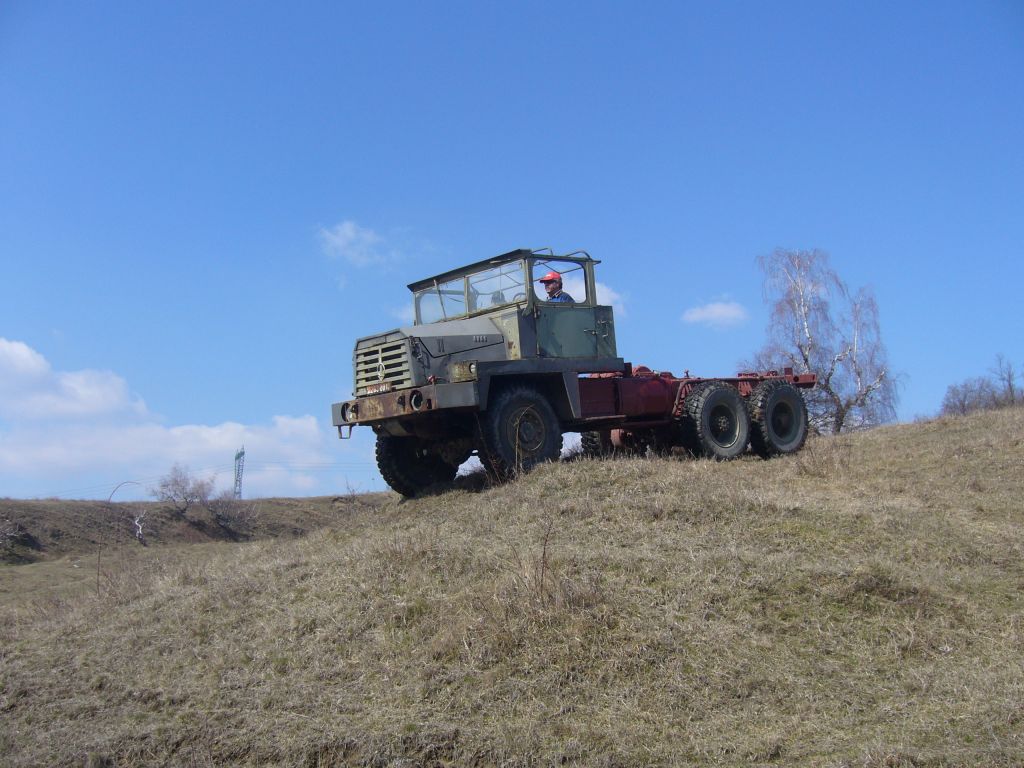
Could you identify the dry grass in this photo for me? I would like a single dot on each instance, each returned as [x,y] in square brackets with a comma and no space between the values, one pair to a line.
[69,548]
[858,605]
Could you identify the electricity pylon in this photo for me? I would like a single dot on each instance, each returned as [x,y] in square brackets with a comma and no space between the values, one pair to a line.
[239,466]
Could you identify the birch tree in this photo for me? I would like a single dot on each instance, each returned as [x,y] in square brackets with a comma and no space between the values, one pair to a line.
[818,325]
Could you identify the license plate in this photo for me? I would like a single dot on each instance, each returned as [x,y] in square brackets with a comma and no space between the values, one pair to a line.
[376,389]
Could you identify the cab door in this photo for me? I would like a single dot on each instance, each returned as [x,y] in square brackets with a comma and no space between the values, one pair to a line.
[581,328]
[566,330]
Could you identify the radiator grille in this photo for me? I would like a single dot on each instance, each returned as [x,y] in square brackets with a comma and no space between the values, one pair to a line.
[383,363]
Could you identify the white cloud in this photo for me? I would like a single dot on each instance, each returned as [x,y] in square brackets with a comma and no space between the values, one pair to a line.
[105,434]
[30,389]
[611,297]
[606,295]
[280,454]
[19,359]
[358,245]
[717,314]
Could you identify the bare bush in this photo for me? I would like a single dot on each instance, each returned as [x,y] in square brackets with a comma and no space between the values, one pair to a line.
[981,393]
[179,489]
[818,325]
[972,395]
[14,534]
[230,512]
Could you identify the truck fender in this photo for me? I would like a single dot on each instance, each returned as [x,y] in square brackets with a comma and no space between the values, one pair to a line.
[562,390]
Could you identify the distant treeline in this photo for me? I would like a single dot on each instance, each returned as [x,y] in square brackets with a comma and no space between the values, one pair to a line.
[1000,389]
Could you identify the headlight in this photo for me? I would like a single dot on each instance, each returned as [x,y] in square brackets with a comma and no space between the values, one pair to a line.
[464,370]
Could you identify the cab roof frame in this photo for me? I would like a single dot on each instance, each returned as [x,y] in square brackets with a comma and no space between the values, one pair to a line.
[506,258]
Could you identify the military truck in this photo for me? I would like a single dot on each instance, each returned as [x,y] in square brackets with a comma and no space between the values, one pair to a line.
[491,367]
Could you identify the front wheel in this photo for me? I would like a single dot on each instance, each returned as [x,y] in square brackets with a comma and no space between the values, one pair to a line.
[520,430]
[409,466]
[715,421]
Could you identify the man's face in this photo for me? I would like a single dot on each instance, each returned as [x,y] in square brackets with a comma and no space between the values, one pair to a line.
[553,287]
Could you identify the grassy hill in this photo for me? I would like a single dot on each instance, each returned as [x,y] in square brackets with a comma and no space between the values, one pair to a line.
[64,549]
[857,605]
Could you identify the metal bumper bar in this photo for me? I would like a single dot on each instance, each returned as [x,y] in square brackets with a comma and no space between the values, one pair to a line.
[403,403]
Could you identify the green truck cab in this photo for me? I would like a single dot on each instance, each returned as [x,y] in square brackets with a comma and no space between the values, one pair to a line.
[490,366]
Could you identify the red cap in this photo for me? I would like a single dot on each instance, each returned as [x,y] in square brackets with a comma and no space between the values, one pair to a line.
[550,277]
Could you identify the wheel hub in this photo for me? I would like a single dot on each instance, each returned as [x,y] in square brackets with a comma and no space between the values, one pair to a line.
[529,433]
[723,425]
[782,420]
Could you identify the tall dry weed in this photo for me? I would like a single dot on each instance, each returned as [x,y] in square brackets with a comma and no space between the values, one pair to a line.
[541,583]
[824,458]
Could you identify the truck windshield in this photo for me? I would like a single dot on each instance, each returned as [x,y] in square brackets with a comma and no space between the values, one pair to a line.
[474,292]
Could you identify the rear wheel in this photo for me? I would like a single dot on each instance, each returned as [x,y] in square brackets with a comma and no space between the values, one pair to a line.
[715,421]
[596,444]
[408,465]
[778,417]
[520,430]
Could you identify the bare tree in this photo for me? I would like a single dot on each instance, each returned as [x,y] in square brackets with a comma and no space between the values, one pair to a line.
[1005,378]
[819,326]
[179,489]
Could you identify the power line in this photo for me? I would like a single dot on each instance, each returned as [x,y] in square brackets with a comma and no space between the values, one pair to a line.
[315,467]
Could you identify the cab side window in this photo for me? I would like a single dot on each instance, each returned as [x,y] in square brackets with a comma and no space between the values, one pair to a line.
[573,281]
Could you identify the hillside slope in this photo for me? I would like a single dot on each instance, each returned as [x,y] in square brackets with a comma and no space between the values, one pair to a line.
[43,529]
[859,604]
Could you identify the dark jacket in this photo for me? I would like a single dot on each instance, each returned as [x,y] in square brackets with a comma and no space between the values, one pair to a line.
[562,296]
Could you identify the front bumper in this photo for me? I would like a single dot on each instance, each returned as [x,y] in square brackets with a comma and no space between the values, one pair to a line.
[404,403]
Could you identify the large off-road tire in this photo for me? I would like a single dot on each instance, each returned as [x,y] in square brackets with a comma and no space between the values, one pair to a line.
[408,465]
[519,430]
[778,416]
[596,444]
[715,422]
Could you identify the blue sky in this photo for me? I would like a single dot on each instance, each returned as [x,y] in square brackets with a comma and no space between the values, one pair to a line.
[203,205]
